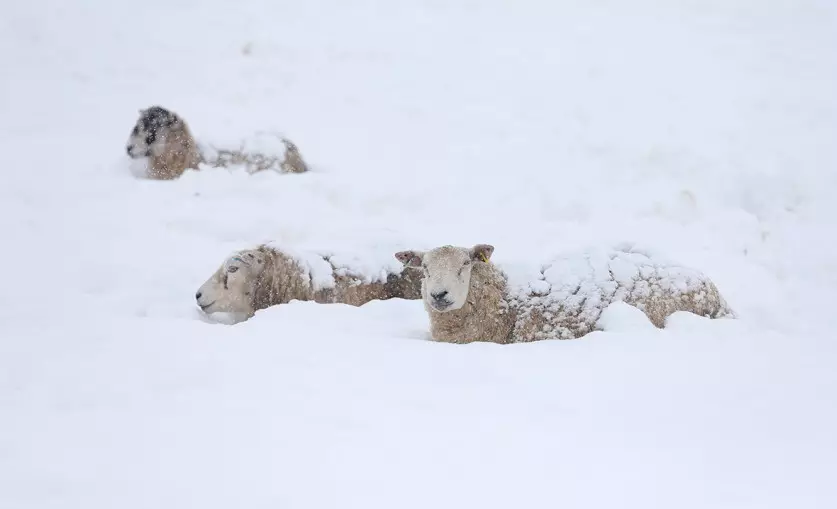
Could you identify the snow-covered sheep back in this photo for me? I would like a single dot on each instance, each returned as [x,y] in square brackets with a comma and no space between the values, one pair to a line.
[565,299]
[269,275]
[260,151]
[469,298]
[166,141]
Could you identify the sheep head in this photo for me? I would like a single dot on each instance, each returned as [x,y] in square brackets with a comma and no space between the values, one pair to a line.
[149,134]
[446,273]
[233,288]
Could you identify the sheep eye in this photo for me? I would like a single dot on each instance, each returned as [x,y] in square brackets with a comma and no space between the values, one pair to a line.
[467,262]
[232,269]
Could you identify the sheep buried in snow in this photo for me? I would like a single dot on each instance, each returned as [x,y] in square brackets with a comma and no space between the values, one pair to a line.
[165,139]
[255,279]
[468,298]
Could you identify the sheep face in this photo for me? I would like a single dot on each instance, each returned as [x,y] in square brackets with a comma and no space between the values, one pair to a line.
[447,273]
[148,135]
[231,288]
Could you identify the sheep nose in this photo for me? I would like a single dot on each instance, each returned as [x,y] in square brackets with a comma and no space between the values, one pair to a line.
[198,296]
[439,296]
[129,148]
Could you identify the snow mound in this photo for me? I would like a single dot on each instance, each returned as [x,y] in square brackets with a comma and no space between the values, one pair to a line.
[566,297]
[622,317]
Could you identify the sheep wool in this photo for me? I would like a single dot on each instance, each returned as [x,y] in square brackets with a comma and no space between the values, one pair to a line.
[255,279]
[468,298]
[164,138]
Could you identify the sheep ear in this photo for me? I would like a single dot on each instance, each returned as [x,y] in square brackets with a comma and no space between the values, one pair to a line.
[482,252]
[409,258]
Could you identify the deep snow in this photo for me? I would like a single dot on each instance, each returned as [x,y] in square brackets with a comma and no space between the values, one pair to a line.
[703,130]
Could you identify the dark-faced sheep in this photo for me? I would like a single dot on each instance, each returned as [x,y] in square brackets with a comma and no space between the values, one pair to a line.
[164,138]
[468,298]
[255,279]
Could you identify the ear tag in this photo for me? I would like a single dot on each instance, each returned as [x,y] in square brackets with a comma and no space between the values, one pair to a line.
[483,257]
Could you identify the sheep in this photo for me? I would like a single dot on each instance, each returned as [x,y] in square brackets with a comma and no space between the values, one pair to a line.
[255,279]
[468,298]
[165,139]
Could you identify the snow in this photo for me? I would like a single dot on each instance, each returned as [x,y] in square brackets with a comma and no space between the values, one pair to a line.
[622,317]
[702,130]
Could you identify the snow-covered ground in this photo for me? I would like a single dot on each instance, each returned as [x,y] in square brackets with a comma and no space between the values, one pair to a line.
[704,130]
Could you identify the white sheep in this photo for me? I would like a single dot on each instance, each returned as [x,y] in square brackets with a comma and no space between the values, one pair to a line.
[468,298]
[255,279]
[165,139]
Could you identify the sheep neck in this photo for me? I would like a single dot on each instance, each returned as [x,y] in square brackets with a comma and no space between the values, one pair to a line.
[178,153]
[485,316]
[281,281]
